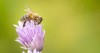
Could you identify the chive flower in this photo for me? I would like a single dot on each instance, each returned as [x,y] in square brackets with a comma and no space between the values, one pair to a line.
[30,36]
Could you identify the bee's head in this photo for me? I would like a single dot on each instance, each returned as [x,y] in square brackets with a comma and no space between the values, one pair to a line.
[38,20]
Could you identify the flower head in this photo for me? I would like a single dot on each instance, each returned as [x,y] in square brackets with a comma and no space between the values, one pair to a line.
[30,36]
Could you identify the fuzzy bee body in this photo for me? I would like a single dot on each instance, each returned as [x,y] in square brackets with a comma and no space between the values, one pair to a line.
[31,16]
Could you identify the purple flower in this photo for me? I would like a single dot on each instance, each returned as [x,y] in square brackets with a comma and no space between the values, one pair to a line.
[31,36]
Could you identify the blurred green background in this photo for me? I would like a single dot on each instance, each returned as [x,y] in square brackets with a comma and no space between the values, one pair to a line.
[72,26]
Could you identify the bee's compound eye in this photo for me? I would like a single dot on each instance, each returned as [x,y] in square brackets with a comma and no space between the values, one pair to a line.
[41,19]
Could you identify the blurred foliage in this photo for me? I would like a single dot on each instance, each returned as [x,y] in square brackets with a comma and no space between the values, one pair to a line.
[72,26]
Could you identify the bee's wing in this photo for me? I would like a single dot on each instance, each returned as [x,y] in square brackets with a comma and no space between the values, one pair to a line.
[29,11]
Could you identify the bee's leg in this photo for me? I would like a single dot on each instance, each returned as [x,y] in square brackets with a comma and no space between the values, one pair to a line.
[35,23]
[24,23]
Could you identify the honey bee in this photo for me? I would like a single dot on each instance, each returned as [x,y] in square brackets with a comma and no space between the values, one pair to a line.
[31,16]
